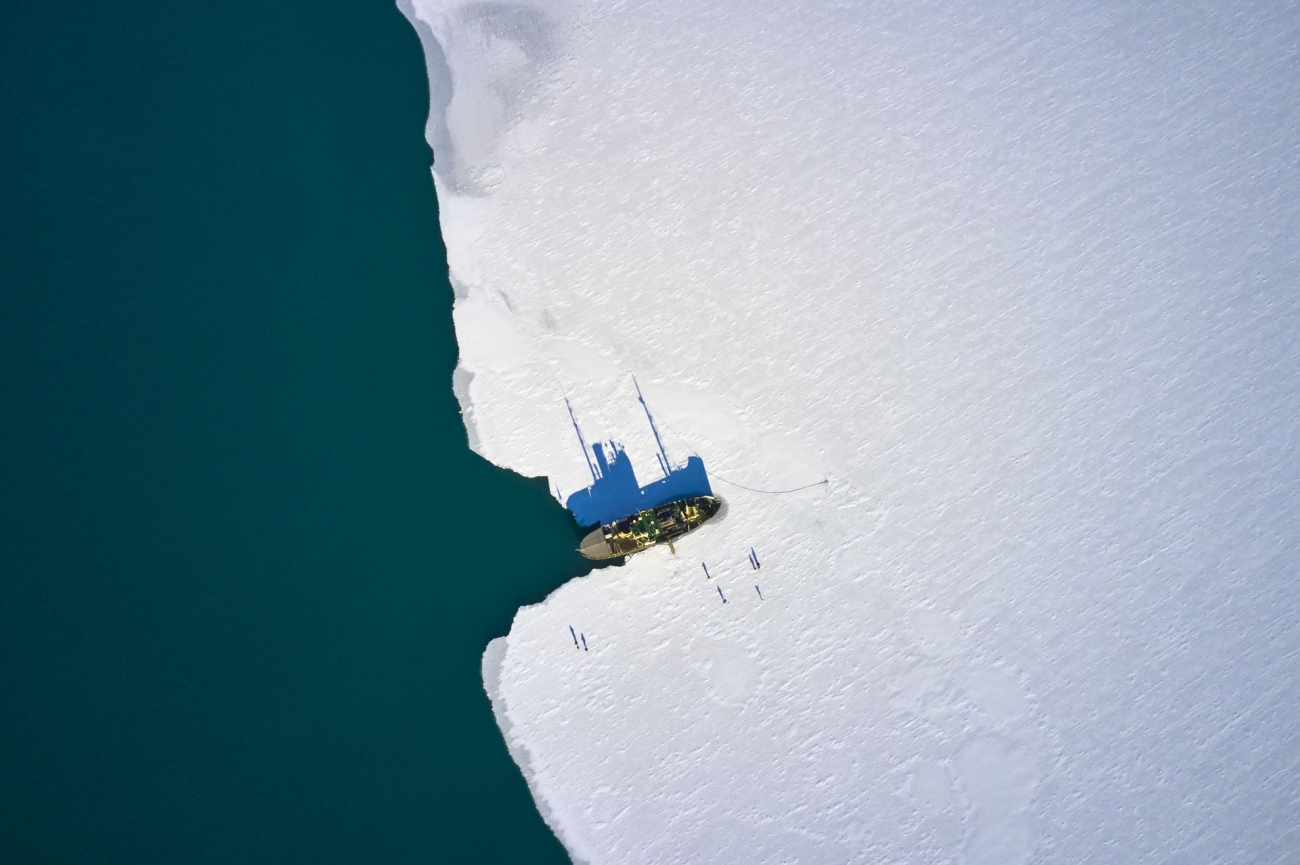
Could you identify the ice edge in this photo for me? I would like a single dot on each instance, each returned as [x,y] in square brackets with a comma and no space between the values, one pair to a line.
[439,140]
[438,137]
[493,659]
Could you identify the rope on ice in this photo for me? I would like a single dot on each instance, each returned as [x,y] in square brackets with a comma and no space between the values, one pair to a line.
[718,477]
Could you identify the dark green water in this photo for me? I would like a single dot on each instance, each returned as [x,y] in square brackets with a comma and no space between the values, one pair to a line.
[245,579]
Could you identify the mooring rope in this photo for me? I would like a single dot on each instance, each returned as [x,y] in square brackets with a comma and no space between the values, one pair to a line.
[626,374]
[764,492]
[718,477]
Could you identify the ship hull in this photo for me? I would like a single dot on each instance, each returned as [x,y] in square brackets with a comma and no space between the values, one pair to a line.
[644,529]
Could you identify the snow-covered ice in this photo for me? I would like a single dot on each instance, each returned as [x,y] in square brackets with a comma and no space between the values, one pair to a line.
[1020,279]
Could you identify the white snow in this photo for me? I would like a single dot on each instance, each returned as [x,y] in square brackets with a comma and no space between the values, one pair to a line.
[1020,279]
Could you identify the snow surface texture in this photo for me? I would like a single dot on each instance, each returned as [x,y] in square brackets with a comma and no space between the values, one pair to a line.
[1020,279]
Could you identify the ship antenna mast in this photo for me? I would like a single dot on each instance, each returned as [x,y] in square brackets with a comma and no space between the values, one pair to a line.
[663,454]
[582,441]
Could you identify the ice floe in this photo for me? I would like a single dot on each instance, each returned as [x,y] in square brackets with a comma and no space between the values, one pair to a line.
[1019,280]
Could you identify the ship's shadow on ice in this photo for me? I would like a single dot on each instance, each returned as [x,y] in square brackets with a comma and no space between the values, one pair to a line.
[615,491]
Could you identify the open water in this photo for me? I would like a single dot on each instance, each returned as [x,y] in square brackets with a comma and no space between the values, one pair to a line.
[247,563]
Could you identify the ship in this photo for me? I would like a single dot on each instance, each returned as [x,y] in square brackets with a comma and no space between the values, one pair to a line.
[640,531]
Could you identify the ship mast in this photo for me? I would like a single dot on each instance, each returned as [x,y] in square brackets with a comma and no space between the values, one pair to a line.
[582,441]
[663,454]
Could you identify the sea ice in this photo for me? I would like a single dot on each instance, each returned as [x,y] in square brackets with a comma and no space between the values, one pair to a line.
[1019,279]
